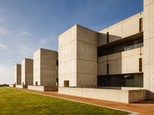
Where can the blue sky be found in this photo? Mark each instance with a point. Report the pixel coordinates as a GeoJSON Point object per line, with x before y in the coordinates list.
{"type": "Point", "coordinates": [26, 25]}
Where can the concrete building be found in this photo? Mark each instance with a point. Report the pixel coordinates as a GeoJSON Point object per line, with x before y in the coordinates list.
{"type": "Point", "coordinates": [121, 55]}
{"type": "Point", "coordinates": [18, 74]}
{"type": "Point", "coordinates": [45, 67]}
{"type": "Point", "coordinates": [27, 72]}
{"type": "Point", "coordinates": [77, 50]}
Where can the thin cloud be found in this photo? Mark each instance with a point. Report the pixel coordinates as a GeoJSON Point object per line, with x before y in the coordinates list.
{"type": "Point", "coordinates": [3, 31]}
{"type": "Point", "coordinates": [3, 46]}
{"type": "Point", "coordinates": [1, 19]}
{"type": "Point", "coordinates": [25, 33]}
{"type": "Point", "coordinates": [45, 41]}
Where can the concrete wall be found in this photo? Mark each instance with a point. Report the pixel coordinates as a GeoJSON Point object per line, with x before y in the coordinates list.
{"type": "Point", "coordinates": [149, 47]}
{"type": "Point", "coordinates": [120, 63]}
{"type": "Point", "coordinates": [12, 85]}
{"type": "Point", "coordinates": [120, 30]}
{"type": "Point", "coordinates": [27, 72]}
{"type": "Point", "coordinates": [43, 88]}
{"type": "Point", "coordinates": [124, 96]}
{"type": "Point", "coordinates": [86, 57]}
{"type": "Point", "coordinates": [18, 74]}
{"type": "Point", "coordinates": [45, 67]}
{"type": "Point", "coordinates": [21, 86]}
{"type": "Point", "coordinates": [78, 57]}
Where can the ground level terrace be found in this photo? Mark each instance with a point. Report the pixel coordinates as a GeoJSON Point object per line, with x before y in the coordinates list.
{"type": "Point", "coordinates": [143, 108]}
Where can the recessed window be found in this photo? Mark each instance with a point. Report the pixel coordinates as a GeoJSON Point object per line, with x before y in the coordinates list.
{"type": "Point", "coordinates": [140, 24]}
{"type": "Point", "coordinates": [107, 37]}
{"type": "Point", "coordinates": [107, 68]}
{"type": "Point", "coordinates": [140, 64]}
{"type": "Point", "coordinates": [66, 83]}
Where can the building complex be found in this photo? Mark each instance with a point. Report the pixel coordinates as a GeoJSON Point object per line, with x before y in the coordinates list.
{"type": "Point", "coordinates": [89, 63]}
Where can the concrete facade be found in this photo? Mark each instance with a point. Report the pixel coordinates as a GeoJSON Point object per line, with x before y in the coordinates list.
{"type": "Point", "coordinates": [43, 88]}
{"type": "Point", "coordinates": [45, 67]}
{"type": "Point", "coordinates": [27, 71]}
{"type": "Point", "coordinates": [21, 86]}
{"type": "Point", "coordinates": [123, 96]}
{"type": "Point", "coordinates": [149, 47]}
{"type": "Point", "coordinates": [78, 57]}
{"type": "Point", "coordinates": [121, 63]}
{"type": "Point", "coordinates": [123, 54]}
{"type": "Point", "coordinates": [18, 74]}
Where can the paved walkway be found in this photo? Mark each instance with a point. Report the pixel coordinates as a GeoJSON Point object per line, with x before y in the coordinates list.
{"type": "Point", "coordinates": [143, 108]}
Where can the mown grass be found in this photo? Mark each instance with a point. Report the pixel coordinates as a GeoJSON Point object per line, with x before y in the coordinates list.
{"type": "Point", "coordinates": [17, 102]}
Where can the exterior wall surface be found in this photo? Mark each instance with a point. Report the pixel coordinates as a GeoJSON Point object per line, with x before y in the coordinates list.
{"type": "Point", "coordinates": [27, 72]}
{"type": "Point", "coordinates": [43, 88]}
{"type": "Point", "coordinates": [18, 74]}
{"type": "Point", "coordinates": [149, 47]}
{"type": "Point", "coordinates": [124, 96]}
{"type": "Point", "coordinates": [120, 63]}
{"type": "Point", "coordinates": [120, 30]}
{"type": "Point", "coordinates": [78, 57]}
{"type": "Point", "coordinates": [45, 67]}
{"type": "Point", "coordinates": [21, 86]}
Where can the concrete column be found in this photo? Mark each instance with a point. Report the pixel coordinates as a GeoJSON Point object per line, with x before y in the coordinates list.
{"type": "Point", "coordinates": [45, 67]}
{"type": "Point", "coordinates": [18, 74]}
{"type": "Point", "coordinates": [27, 72]}
{"type": "Point", "coordinates": [149, 47]}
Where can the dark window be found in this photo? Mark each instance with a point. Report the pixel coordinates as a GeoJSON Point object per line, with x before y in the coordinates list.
{"type": "Point", "coordinates": [57, 63]}
{"type": "Point", "coordinates": [140, 24]}
{"type": "Point", "coordinates": [107, 37]}
{"type": "Point", "coordinates": [107, 68]}
{"type": "Point", "coordinates": [140, 64]}
{"type": "Point", "coordinates": [129, 76]}
{"type": "Point", "coordinates": [36, 83]}
{"type": "Point", "coordinates": [66, 83]}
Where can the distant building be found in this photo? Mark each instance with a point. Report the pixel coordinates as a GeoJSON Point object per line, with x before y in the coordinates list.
{"type": "Point", "coordinates": [18, 74]}
{"type": "Point", "coordinates": [45, 67]}
{"type": "Point", "coordinates": [27, 72]}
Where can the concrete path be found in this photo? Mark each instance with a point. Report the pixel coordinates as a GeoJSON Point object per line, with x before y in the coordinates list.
{"type": "Point", "coordinates": [143, 108]}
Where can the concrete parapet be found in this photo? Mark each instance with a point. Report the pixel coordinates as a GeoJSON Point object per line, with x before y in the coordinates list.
{"type": "Point", "coordinates": [12, 85]}
{"type": "Point", "coordinates": [21, 86]}
{"type": "Point", "coordinates": [123, 96]}
{"type": "Point", "coordinates": [43, 88]}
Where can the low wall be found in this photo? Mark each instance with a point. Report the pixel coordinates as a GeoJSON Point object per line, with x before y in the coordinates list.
{"type": "Point", "coordinates": [124, 96]}
{"type": "Point", "coordinates": [21, 86]}
{"type": "Point", "coordinates": [12, 85]}
{"type": "Point", "coordinates": [43, 88]}
{"type": "Point", "coordinates": [121, 88]}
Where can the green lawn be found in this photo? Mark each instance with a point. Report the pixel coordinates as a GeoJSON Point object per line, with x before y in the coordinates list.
{"type": "Point", "coordinates": [16, 102]}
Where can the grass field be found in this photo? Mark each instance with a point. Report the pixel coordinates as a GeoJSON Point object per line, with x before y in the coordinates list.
{"type": "Point", "coordinates": [17, 102]}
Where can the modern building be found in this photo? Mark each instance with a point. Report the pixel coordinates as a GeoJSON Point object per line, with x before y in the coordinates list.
{"type": "Point", "coordinates": [45, 67]}
{"type": "Point", "coordinates": [121, 55]}
{"type": "Point", "coordinates": [27, 72]}
{"type": "Point", "coordinates": [18, 74]}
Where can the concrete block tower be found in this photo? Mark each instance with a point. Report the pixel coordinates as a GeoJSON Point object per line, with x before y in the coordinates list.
{"type": "Point", "coordinates": [27, 72]}
{"type": "Point", "coordinates": [45, 67]}
{"type": "Point", "coordinates": [18, 74]}
{"type": "Point", "coordinates": [78, 57]}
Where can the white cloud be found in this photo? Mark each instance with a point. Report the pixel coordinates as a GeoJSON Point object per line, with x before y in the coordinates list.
{"type": "Point", "coordinates": [3, 31]}
{"type": "Point", "coordinates": [3, 46]}
{"type": "Point", "coordinates": [45, 41]}
{"type": "Point", "coordinates": [25, 33]}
